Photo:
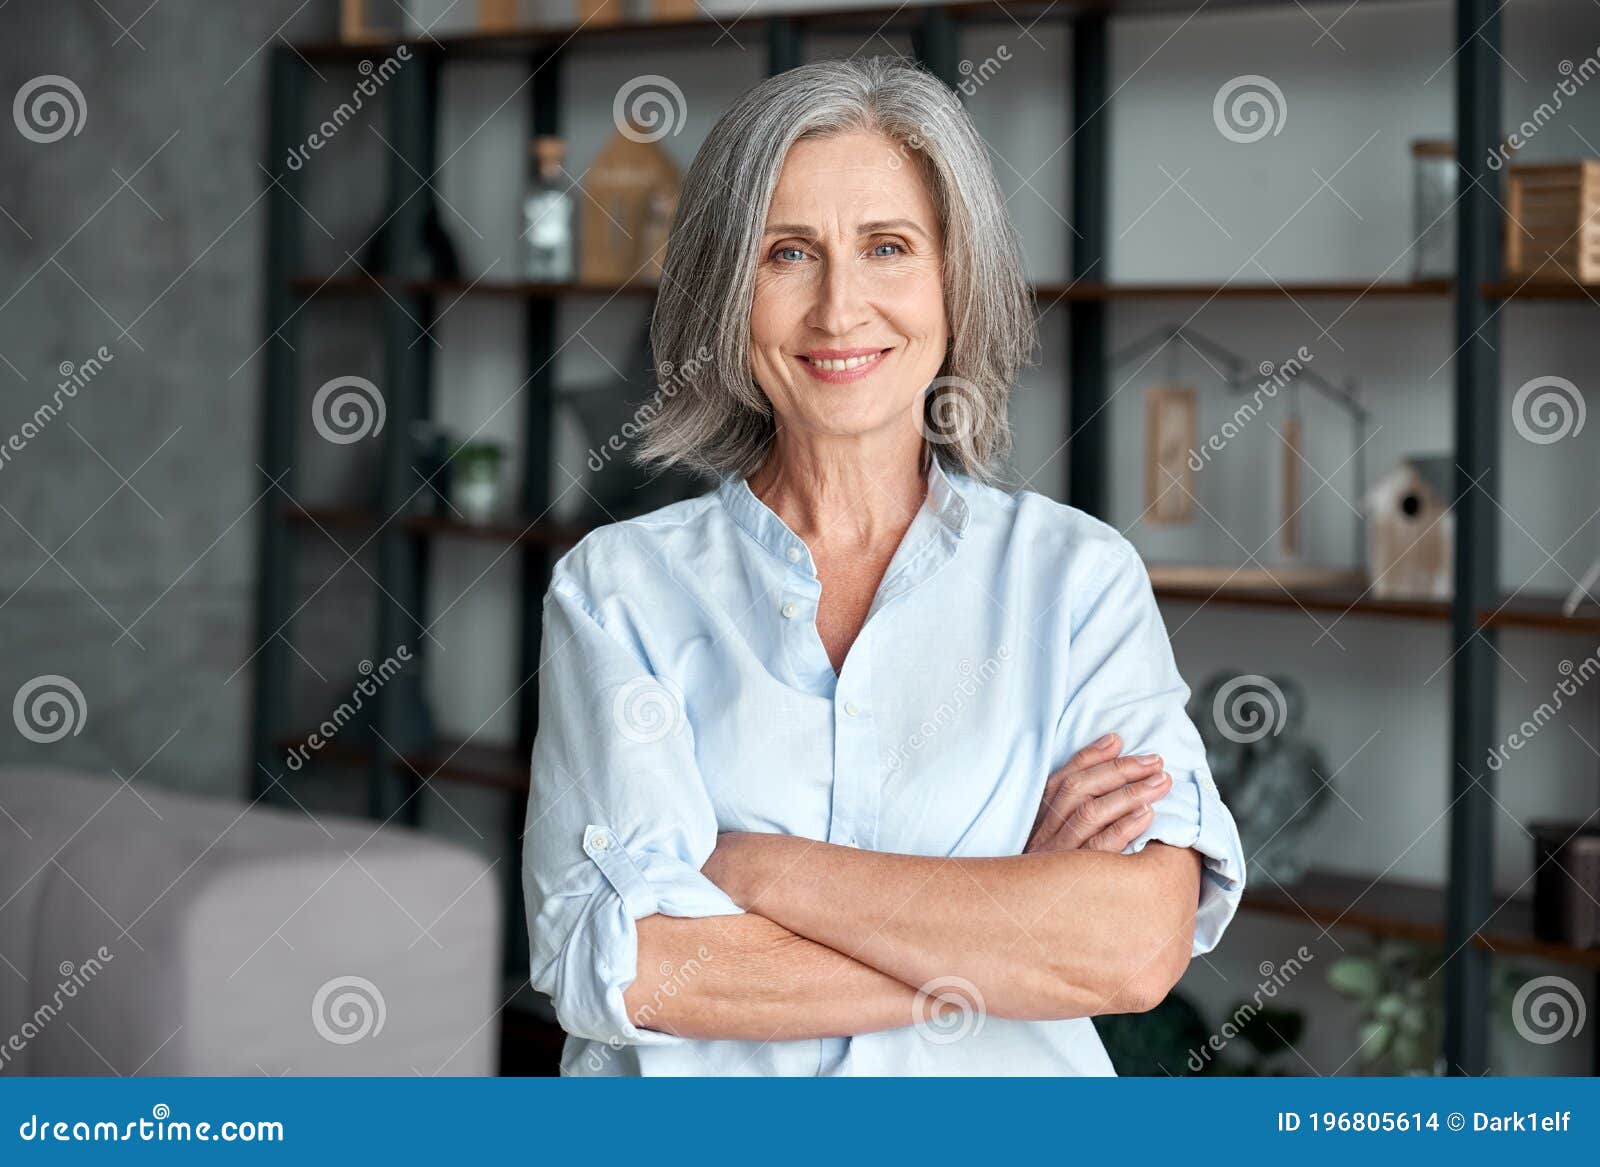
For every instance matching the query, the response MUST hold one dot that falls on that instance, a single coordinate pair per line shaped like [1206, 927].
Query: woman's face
[848, 324]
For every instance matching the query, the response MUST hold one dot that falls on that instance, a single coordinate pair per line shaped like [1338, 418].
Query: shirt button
[789, 610]
[601, 841]
[794, 554]
[851, 709]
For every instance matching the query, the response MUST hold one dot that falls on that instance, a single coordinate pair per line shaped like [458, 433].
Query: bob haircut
[709, 414]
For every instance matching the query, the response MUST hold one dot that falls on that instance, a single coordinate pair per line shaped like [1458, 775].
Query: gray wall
[141, 592]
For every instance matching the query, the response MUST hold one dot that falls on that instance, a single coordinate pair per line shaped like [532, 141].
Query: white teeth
[834, 366]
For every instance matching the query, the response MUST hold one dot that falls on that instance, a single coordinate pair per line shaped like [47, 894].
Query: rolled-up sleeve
[619, 821]
[1124, 680]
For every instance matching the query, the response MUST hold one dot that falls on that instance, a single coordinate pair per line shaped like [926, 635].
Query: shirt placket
[856, 781]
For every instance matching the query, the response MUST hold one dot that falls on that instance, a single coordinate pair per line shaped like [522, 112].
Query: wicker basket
[1553, 232]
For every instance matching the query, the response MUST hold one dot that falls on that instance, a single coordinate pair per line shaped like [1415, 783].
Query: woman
[857, 764]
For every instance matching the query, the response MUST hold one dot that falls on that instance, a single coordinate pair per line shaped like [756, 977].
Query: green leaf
[1356, 976]
[1374, 1039]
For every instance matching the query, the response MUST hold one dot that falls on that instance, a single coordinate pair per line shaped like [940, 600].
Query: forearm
[1061, 934]
[747, 978]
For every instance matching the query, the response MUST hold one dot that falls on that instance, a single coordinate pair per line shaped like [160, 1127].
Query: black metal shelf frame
[936, 38]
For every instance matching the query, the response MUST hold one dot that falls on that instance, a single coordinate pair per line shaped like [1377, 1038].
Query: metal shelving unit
[1455, 915]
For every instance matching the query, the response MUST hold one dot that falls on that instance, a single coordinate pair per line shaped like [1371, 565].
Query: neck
[847, 498]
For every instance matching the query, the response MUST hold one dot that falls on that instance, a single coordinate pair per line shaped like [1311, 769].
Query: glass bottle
[546, 244]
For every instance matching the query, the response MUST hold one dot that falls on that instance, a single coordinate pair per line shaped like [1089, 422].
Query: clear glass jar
[1433, 197]
[547, 243]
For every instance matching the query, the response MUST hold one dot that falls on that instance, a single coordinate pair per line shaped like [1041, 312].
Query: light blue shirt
[684, 690]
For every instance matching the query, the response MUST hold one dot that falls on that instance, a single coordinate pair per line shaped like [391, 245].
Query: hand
[1098, 801]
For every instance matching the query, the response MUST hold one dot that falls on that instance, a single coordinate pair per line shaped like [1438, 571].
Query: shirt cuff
[600, 959]
[1192, 815]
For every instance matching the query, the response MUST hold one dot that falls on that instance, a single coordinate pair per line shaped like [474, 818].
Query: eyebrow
[864, 229]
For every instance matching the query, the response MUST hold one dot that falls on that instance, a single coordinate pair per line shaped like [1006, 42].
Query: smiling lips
[838, 365]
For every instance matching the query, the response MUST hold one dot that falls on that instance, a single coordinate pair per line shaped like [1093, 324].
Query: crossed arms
[837, 941]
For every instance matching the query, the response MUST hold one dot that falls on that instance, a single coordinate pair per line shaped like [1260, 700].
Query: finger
[1122, 832]
[1109, 775]
[1092, 754]
[1065, 794]
[1096, 814]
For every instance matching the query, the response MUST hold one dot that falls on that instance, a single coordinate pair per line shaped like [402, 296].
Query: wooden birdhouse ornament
[632, 183]
[1411, 531]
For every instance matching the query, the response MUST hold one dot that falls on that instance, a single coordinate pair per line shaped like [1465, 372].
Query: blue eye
[896, 246]
[785, 251]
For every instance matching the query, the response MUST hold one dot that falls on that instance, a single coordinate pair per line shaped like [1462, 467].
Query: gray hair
[711, 415]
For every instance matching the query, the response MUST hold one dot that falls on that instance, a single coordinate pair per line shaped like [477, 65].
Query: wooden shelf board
[1407, 911]
[1542, 613]
[499, 767]
[1541, 290]
[1314, 590]
[449, 760]
[1337, 290]
[1340, 600]
[363, 285]
[872, 19]
[538, 534]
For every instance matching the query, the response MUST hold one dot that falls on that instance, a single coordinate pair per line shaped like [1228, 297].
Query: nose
[840, 304]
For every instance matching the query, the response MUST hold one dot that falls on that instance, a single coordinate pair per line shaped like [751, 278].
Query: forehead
[851, 178]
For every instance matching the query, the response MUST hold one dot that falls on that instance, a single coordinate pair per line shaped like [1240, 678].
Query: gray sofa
[149, 932]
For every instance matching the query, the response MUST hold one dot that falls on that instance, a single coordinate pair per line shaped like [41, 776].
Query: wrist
[745, 864]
